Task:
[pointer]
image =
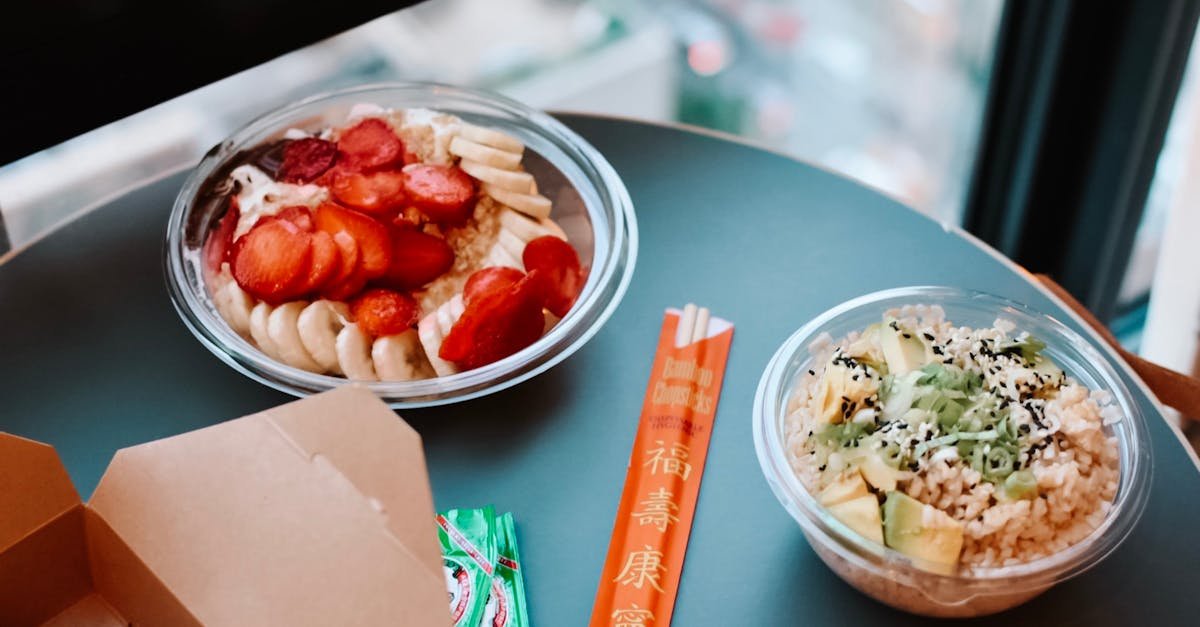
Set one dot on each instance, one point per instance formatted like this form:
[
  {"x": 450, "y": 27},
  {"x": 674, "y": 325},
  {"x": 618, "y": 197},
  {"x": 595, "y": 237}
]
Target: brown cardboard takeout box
[{"x": 317, "y": 512}]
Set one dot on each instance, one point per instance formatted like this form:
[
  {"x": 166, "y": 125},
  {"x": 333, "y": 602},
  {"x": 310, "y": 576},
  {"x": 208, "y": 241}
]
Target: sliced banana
[
  {"x": 400, "y": 357},
  {"x": 219, "y": 298},
  {"x": 354, "y": 354},
  {"x": 513, "y": 244},
  {"x": 526, "y": 228},
  {"x": 431, "y": 340},
  {"x": 282, "y": 326},
  {"x": 553, "y": 228},
  {"x": 512, "y": 180},
  {"x": 491, "y": 137},
  {"x": 319, "y": 325},
  {"x": 499, "y": 256},
  {"x": 258, "y": 329},
  {"x": 364, "y": 109},
  {"x": 444, "y": 320},
  {"x": 484, "y": 155},
  {"x": 533, "y": 205},
  {"x": 238, "y": 305}
]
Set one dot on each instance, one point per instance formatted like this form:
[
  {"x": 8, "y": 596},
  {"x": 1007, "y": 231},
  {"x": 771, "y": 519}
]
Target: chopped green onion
[
  {"x": 979, "y": 436},
  {"x": 936, "y": 442},
  {"x": 1021, "y": 485}
]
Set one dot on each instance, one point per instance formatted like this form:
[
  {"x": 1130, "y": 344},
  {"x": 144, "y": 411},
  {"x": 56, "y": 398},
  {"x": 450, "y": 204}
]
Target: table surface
[{"x": 93, "y": 358}]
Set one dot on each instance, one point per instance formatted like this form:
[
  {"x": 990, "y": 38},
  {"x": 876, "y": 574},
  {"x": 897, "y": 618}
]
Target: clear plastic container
[
  {"x": 590, "y": 203},
  {"x": 890, "y": 576}
]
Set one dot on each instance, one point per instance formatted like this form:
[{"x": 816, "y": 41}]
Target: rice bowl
[{"x": 948, "y": 452}]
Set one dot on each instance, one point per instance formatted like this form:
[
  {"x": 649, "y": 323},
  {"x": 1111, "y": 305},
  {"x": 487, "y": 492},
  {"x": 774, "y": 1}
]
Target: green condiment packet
[
  {"x": 468, "y": 538},
  {"x": 506, "y": 604}
]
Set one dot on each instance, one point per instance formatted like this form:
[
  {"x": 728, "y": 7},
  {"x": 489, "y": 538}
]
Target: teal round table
[{"x": 93, "y": 358}]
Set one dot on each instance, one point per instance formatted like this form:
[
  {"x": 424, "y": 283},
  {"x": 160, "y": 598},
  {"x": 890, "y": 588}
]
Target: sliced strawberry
[
  {"x": 306, "y": 159},
  {"x": 382, "y": 312},
  {"x": 326, "y": 262},
  {"x": 374, "y": 242},
  {"x": 220, "y": 240},
  {"x": 271, "y": 262},
  {"x": 417, "y": 259},
  {"x": 350, "y": 278},
  {"x": 444, "y": 192},
  {"x": 558, "y": 263},
  {"x": 488, "y": 281},
  {"x": 331, "y": 175},
  {"x": 381, "y": 193},
  {"x": 299, "y": 215},
  {"x": 496, "y": 325},
  {"x": 370, "y": 144}
]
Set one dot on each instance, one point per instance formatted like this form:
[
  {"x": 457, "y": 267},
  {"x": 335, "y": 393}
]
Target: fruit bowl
[{"x": 590, "y": 205}]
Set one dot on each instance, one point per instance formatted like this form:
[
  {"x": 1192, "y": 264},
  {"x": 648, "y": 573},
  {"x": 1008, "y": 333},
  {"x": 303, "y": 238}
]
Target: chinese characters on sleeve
[{"x": 645, "y": 557}]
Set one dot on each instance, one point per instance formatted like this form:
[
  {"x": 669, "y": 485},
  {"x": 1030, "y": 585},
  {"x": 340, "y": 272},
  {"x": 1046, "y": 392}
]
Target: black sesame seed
[
  {"x": 821, "y": 468},
  {"x": 812, "y": 373},
  {"x": 906, "y": 336},
  {"x": 914, "y": 442},
  {"x": 928, "y": 336}
]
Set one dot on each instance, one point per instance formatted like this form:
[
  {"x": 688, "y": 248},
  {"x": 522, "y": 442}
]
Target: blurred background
[{"x": 898, "y": 95}]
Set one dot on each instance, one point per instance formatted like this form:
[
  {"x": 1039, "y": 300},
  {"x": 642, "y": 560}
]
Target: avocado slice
[
  {"x": 846, "y": 487},
  {"x": 928, "y": 535},
  {"x": 1044, "y": 366},
  {"x": 827, "y": 404},
  {"x": 878, "y": 473},
  {"x": 839, "y": 384},
  {"x": 862, "y": 515},
  {"x": 866, "y": 348},
  {"x": 902, "y": 354}
]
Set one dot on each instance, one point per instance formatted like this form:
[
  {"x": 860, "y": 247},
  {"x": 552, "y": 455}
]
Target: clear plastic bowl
[
  {"x": 590, "y": 203},
  {"x": 889, "y": 576}
]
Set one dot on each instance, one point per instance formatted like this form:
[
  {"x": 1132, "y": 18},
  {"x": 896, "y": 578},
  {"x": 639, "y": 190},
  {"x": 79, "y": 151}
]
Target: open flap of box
[
  {"x": 54, "y": 552},
  {"x": 43, "y": 560},
  {"x": 34, "y": 488},
  {"x": 317, "y": 512}
]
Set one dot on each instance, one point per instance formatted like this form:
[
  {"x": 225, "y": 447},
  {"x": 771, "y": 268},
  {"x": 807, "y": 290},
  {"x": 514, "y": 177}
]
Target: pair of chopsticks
[
  {"x": 1173, "y": 388},
  {"x": 693, "y": 325}
]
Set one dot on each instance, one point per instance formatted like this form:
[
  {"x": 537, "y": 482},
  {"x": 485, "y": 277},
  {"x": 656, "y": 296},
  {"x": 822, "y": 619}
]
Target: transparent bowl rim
[
  {"x": 1136, "y": 463},
  {"x": 599, "y": 298}
]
